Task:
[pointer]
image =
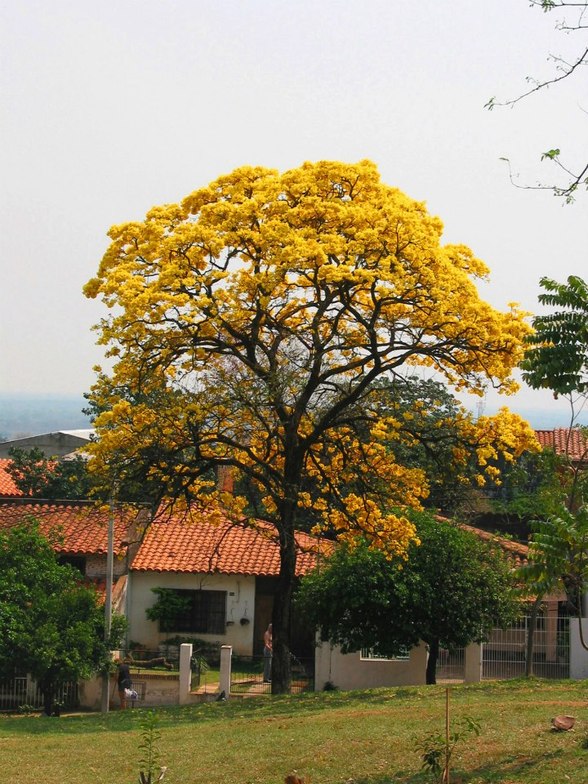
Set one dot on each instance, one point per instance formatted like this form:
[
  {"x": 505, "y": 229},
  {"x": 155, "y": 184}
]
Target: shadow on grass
[
  {"x": 492, "y": 774},
  {"x": 249, "y": 708},
  {"x": 502, "y": 770},
  {"x": 513, "y": 766},
  {"x": 282, "y": 706}
]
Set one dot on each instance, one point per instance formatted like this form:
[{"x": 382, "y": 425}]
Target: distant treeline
[{"x": 25, "y": 415}]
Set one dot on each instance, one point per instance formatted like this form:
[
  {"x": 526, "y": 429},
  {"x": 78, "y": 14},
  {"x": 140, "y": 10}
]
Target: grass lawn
[{"x": 330, "y": 737}]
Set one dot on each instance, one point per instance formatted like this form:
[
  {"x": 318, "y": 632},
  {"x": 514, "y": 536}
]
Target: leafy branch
[
  {"x": 577, "y": 176},
  {"x": 436, "y": 749},
  {"x": 150, "y": 770}
]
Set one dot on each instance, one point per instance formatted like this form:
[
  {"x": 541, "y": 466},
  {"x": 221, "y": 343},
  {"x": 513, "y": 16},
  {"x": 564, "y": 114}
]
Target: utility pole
[{"x": 108, "y": 598}]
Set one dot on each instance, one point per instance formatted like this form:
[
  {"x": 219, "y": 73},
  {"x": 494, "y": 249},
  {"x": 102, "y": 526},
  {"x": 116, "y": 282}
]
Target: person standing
[
  {"x": 124, "y": 682},
  {"x": 267, "y": 654}
]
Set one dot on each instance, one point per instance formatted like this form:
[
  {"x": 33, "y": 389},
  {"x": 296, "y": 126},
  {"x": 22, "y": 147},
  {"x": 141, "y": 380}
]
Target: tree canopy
[
  {"x": 452, "y": 590},
  {"x": 248, "y": 324},
  {"x": 557, "y": 359},
  {"x": 458, "y": 452},
  {"x": 51, "y": 625},
  {"x": 557, "y": 351}
]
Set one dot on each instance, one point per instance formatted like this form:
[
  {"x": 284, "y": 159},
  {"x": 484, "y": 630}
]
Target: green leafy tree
[
  {"x": 557, "y": 351},
  {"x": 39, "y": 476},
  {"x": 557, "y": 359},
  {"x": 558, "y": 559},
  {"x": 168, "y": 606},
  {"x": 46, "y": 477},
  {"x": 451, "y": 591},
  {"x": 437, "y": 435},
  {"x": 529, "y": 488},
  {"x": 51, "y": 625}
]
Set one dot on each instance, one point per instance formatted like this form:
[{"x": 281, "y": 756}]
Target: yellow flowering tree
[{"x": 248, "y": 324}]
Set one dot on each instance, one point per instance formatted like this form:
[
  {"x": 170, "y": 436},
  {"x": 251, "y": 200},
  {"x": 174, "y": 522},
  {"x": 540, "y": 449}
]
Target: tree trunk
[
  {"x": 47, "y": 687},
  {"x": 431, "y": 676},
  {"x": 281, "y": 670},
  {"x": 531, "y": 637}
]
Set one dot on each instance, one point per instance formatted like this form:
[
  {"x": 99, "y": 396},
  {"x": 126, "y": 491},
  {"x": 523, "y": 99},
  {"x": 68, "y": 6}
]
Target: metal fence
[
  {"x": 22, "y": 693},
  {"x": 504, "y": 654},
  {"x": 451, "y": 665},
  {"x": 247, "y": 675}
]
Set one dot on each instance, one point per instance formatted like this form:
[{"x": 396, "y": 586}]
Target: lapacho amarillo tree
[{"x": 248, "y": 324}]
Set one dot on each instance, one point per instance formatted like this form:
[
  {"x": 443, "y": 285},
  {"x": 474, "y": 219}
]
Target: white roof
[{"x": 87, "y": 433}]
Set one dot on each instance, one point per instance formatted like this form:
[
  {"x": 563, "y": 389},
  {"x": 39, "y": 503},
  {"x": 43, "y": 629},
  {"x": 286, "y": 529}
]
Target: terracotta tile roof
[
  {"x": 516, "y": 550},
  {"x": 7, "y": 486},
  {"x": 80, "y": 527},
  {"x": 563, "y": 441},
  {"x": 200, "y": 546}
]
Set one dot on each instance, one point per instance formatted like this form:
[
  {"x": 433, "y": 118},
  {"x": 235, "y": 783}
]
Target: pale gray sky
[{"x": 112, "y": 107}]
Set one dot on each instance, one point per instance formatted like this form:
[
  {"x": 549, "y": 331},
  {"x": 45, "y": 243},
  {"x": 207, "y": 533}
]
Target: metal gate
[
  {"x": 20, "y": 692},
  {"x": 451, "y": 665},
  {"x": 504, "y": 654}
]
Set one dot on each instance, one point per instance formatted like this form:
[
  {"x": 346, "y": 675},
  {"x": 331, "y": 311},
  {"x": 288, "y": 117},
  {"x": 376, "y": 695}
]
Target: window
[
  {"x": 368, "y": 654},
  {"x": 202, "y": 612},
  {"x": 77, "y": 561}
]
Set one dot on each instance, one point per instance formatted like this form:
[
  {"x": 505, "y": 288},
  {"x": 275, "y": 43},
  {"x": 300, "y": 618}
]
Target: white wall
[
  {"x": 349, "y": 671},
  {"x": 90, "y": 693},
  {"x": 578, "y": 654},
  {"x": 154, "y": 691},
  {"x": 240, "y": 604}
]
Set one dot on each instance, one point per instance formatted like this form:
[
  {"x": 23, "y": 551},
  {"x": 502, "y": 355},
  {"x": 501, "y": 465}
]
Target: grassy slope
[{"x": 359, "y": 737}]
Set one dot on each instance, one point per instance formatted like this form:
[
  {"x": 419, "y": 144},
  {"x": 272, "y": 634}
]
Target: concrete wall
[
  {"x": 96, "y": 566},
  {"x": 90, "y": 693},
  {"x": 350, "y": 671},
  {"x": 153, "y": 690},
  {"x": 578, "y": 654},
  {"x": 56, "y": 444},
  {"x": 240, "y": 604}
]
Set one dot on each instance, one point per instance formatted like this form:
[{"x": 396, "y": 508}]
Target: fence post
[
  {"x": 226, "y": 652},
  {"x": 185, "y": 672},
  {"x": 551, "y": 632},
  {"x": 473, "y": 663}
]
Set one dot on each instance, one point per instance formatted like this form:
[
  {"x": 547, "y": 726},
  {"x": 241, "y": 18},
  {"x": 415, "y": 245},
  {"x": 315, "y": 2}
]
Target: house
[
  {"x": 8, "y": 489},
  {"x": 572, "y": 442},
  {"x": 56, "y": 444},
  {"x": 227, "y": 571},
  {"x": 78, "y": 531},
  {"x": 504, "y": 651},
  {"x": 227, "y": 574}
]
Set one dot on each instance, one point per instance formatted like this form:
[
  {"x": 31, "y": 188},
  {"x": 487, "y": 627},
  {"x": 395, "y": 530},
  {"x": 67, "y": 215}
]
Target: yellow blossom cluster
[
  {"x": 502, "y": 437},
  {"x": 248, "y": 322}
]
